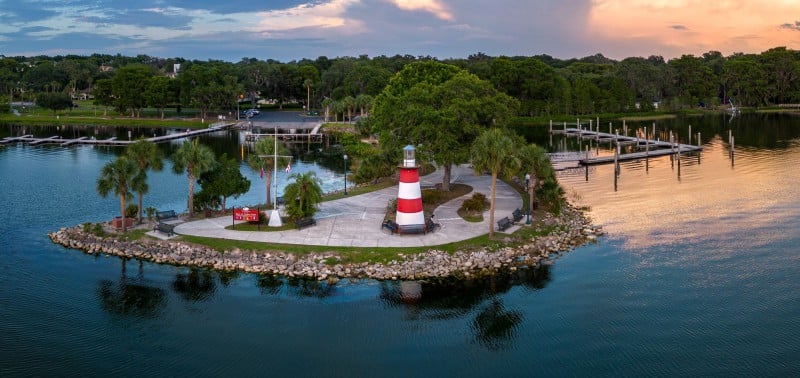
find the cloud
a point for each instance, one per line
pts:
(795, 26)
(678, 27)
(319, 16)
(434, 7)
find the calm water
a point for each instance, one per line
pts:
(698, 276)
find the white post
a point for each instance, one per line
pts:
(275, 215)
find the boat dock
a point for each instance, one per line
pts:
(293, 132)
(643, 148)
(113, 141)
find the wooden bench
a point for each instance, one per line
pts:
(163, 215)
(518, 215)
(390, 225)
(504, 224)
(165, 228)
(304, 222)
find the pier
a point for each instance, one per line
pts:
(645, 148)
(288, 132)
(113, 141)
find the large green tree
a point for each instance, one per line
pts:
(117, 177)
(192, 158)
(224, 180)
(54, 101)
(440, 109)
(129, 86)
(262, 160)
(146, 156)
(160, 92)
(494, 151)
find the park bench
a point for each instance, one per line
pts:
(304, 222)
(165, 228)
(504, 224)
(430, 225)
(389, 225)
(163, 215)
(518, 215)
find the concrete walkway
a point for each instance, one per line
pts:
(356, 220)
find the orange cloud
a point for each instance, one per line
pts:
(696, 26)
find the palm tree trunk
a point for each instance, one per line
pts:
(140, 208)
(122, 211)
(191, 195)
(491, 204)
(448, 170)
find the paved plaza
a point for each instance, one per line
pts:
(355, 221)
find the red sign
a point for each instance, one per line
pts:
(245, 214)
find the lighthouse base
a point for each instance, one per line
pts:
(410, 218)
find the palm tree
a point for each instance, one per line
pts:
(194, 159)
(263, 160)
(348, 104)
(147, 156)
(493, 152)
(327, 103)
(117, 176)
(303, 195)
(364, 101)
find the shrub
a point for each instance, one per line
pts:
(476, 203)
(432, 196)
(131, 211)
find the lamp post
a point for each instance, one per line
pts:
(238, 100)
(345, 174)
(528, 190)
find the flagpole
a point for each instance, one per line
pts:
(275, 216)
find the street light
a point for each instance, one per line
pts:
(345, 174)
(528, 189)
(238, 99)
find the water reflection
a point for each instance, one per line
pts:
(493, 325)
(712, 197)
(131, 296)
(197, 285)
(295, 286)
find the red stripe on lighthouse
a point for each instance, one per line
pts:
(409, 205)
(409, 175)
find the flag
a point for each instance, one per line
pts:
(288, 167)
(262, 172)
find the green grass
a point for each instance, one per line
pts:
(47, 120)
(261, 226)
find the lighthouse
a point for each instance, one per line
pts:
(409, 195)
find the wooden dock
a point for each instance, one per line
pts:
(645, 148)
(113, 141)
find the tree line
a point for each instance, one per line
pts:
(543, 85)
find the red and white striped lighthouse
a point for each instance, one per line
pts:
(409, 195)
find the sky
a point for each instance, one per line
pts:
(286, 30)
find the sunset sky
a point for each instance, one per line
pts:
(287, 30)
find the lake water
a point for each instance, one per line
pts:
(698, 276)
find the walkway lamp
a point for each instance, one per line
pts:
(345, 174)
(528, 190)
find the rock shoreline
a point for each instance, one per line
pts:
(573, 229)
